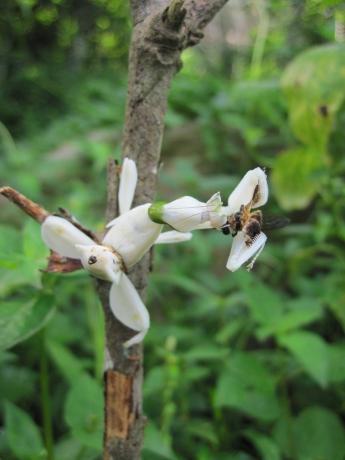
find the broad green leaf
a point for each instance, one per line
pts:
(335, 297)
(246, 385)
(336, 355)
(306, 310)
(23, 436)
(72, 449)
(265, 446)
(10, 242)
(69, 365)
(18, 272)
(314, 85)
(283, 435)
(17, 382)
(319, 435)
(154, 381)
(296, 177)
(187, 284)
(18, 320)
(311, 351)
(154, 443)
(21, 257)
(196, 373)
(202, 429)
(205, 353)
(265, 304)
(230, 330)
(33, 246)
(84, 411)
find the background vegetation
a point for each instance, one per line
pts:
(239, 366)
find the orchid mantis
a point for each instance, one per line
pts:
(129, 237)
(134, 232)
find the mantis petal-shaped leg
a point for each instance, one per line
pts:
(243, 193)
(129, 309)
(173, 237)
(61, 236)
(240, 252)
(128, 183)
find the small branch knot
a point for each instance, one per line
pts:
(174, 14)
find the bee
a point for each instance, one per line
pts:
(251, 223)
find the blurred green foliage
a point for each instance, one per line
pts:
(238, 366)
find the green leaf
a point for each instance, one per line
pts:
(16, 383)
(311, 351)
(18, 272)
(265, 304)
(283, 435)
(296, 177)
(196, 373)
(314, 84)
(10, 242)
(70, 366)
(71, 449)
(265, 446)
(335, 298)
(84, 411)
(21, 257)
(336, 355)
(154, 443)
(22, 434)
(306, 310)
(246, 385)
(33, 246)
(203, 430)
(154, 380)
(319, 435)
(230, 330)
(206, 353)
(18, 320)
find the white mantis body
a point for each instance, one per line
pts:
(129, 237)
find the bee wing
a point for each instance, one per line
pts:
(275, 222)
(241, 253)
(128, 183)
(61, 236)
(129, 309)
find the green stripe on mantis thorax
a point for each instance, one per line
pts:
(156, 212)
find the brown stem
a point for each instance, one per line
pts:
(161, 31)
(56, 263)
(113, 171)
(31, 208)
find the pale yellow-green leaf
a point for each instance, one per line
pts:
(314, 85)
(297, 177)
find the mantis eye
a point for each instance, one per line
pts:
(92, 260)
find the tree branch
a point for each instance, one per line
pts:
(201, 12)
(56, 263)
(31, 208)
(113, 171)
(161, 31)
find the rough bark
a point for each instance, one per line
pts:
(161, 31)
